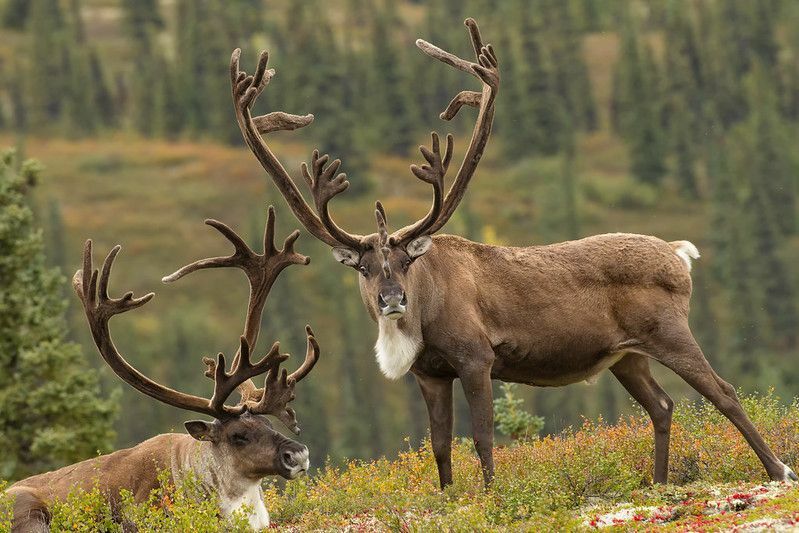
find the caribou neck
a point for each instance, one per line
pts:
(216, 475)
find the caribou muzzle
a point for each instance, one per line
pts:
(392, 303)
(294, 460)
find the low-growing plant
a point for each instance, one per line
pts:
(184, 506)
(541, 484)
(539, 481)
(511, 419)
(6, 508)
(171, 507)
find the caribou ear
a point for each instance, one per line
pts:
(419, 246)
(202, 430)
(346, 256)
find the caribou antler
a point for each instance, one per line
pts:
(326, 184)
(261, 271)
(324, 180)
(99, 308)
(245, 91)
(433, 173)
(487, 71)
(276, 394)
(279, 391)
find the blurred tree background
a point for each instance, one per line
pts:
(678, 118)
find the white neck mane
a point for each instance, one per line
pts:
(233, 491)
(395, 350)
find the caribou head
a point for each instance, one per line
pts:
(239, 446)
(384, 260)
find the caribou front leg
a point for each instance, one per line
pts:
(475, 376)
(437, 393)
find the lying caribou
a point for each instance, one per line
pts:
(229, 455)
(549, 315)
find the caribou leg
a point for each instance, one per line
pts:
(476, 381)
(632, 371)
(437, 393)
(678, 350)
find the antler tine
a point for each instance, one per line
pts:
(99, 308)
(261, 271)
(241, 251)
(279, 387)
(311, 356)
(487, 70)
(325, 184)
(245, 91)
(433, 173)
(225, 383)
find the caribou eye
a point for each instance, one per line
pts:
(405, 264)
(238, 439)
(364, 271)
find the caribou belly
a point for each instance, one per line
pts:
(551, 369)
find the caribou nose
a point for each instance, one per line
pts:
(392, 303)
(295, 461)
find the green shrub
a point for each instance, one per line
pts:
(6, 508)
(170, 508)
(541, 484)
(511, 419)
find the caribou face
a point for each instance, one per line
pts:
(383, 266)
(252, 447)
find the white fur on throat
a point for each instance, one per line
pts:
(686, 251)
(253, 498)
(215, 474)
(395, 350)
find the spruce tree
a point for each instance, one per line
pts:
(51, 411)
(771, 155)
(141, 20)
(639, 105)
(720, 63)
(336, 128)
(46, 81)
(392, 104)
(570, 71)
(106, 107)
(683, 103)
(15, 14)
(762, 163)
(537, 110)
(733, 259)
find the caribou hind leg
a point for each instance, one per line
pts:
(632, 371)
(676, 348)
(30, 511)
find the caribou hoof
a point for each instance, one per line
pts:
(790, 475)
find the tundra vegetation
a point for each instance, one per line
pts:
(673, 118)
(568, 481)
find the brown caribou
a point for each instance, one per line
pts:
(229, 455)
(548, 315)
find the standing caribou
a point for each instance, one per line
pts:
(549, 315)
(230, 455)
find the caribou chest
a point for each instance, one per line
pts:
(395, 349)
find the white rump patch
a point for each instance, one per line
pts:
(686, 251)
(395, 350)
